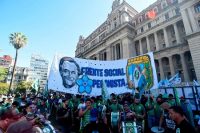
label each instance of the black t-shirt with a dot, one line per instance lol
(64, 112)
(185, 127)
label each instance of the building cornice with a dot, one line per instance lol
(169, 51)
(158, 27)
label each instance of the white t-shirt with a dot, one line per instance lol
(81, 105)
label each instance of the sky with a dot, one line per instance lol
(52, 26)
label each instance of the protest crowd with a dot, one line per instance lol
(66, 113)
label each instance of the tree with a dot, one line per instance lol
(4, 88)
(3, 73)
(23, 86)
(18, 40)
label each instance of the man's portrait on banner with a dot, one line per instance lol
(69, 71)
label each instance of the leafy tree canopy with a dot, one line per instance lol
(23, 86)
(3, 73)
(3, 88)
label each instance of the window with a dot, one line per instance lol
(115, 24)
(104, 56)
(149, 25)
(172, 33)
(164, 4)
(118, 51)
(197, 8)
(177, 11)
(199, 22)
(142, 29)
(173, 1)
(146, 16)
(140, 19)
(156, 9)
(166, 16)
(134, 23)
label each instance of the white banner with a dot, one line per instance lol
(81, 76)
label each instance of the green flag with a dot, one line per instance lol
(36, 85)
(176, 97)
(45, 92)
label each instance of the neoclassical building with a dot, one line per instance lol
(173, 35)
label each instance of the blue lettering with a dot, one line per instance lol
(115, 83)
(97, 83)
(114, 72)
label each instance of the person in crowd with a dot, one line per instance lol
(8, 116)
(114, 111)
(65, 116)
(183, 126)
(69, 71)
(81, 104)
(187, 109)
(158, 110)
(139, 111)
(88, 115)
(22, 126)
(15, 105)
(166, 122)
(150, 112)
(171, 100)
(127, 114)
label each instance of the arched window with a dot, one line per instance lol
(164, 4)
(155, 9)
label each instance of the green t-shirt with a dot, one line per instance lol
(150, 108)
(158, 110)
(115, 107)
(138, 109)
(171, 102)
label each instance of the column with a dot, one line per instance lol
(184, 66)
(161, 69)
(186, 22)
(177, 35)
(166, 37)
(171, 66)
(113, 52)
(109, 51)
(192, 20)
(141, 48)
(148, 44)
(156, 41)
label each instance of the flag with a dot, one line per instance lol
(45, 92)
(151, 14)
(176, 97)
(176, 79)
(36, 85)
(163, 83)
(195, 83)
(104, 92)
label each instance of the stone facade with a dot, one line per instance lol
(173, 35)
(21, 74)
